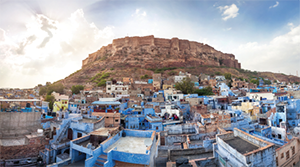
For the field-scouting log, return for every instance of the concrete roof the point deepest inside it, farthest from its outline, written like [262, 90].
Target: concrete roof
[241, 145]
[103, 131]
[130, 144]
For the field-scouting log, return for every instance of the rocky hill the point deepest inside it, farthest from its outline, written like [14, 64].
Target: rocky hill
[137, 56]
[150, 52]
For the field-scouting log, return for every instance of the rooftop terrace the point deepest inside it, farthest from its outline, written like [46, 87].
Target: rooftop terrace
[241, 145]
[86, 120]
[130, 144]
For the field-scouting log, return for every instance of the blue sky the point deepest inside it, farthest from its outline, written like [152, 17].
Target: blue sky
[44, 41]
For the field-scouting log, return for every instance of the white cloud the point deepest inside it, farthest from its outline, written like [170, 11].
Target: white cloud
[280, 54]
[49, 50]
[291, 25]
[274, 6]
[139, 13]
[227, 29]
[229, 11]
[144, 14]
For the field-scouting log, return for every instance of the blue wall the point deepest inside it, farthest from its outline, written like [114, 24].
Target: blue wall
[138, 133]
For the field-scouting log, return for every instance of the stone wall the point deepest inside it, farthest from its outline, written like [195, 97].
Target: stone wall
[124, 164]
[31, 149]
[293, 148]
[19, 122]
[169, 50]
[200, 152]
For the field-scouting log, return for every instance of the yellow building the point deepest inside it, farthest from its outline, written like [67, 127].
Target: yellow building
[167, 86]
[62, 104]
[249, 108]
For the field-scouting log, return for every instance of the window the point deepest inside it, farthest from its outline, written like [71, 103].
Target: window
[108, 88]
[276, 161]
[157, 128]
[273, 135]
[116, 120]
[282, 155]
[279, 136]
[293, 150]
[280, 109]
[287, 155]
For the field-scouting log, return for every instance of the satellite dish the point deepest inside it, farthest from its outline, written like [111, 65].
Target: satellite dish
[148, 142]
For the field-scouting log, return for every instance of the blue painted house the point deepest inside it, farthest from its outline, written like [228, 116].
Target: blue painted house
[125, 148]
[64, 130]
[143, 119]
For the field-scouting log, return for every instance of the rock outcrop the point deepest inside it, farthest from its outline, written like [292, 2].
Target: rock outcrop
[150, 52]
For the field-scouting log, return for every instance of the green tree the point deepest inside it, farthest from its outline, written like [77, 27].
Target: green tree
[76, 89]
[43, 90]
[145, 76]
[50, 91]
[102, 83]
[58, 88]
[221, 61]
[230, 84]
[227, 76]
[49, 88]
[172, 72]
[255, 81]
[204, 91]
[267, 82]
[50, 99]
[186, 86]
[218, 73]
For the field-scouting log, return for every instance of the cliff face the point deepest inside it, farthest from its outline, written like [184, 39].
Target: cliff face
[136, 56]
[150, 52]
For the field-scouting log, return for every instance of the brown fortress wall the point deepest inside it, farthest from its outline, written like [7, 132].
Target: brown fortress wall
[177, 48]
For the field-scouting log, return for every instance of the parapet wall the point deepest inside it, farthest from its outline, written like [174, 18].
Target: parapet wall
[19, 122]
[200, 152]
[250, 138]
[31, 149]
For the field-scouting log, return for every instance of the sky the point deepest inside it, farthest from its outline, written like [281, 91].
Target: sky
[45, 41]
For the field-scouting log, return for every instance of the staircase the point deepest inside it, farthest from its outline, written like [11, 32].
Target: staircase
[100, 160]
[58, 137]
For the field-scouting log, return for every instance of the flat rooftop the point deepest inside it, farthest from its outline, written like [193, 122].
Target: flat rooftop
[86, 120]
[241, 145]
[84, 143]
[130, 144]
[103, 131]
[258, 129]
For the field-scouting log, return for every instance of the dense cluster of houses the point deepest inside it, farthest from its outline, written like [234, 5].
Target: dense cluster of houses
[150, 123]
